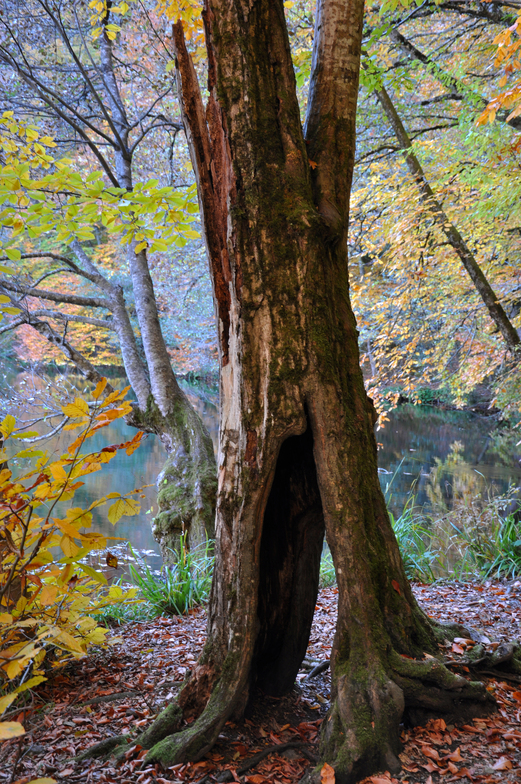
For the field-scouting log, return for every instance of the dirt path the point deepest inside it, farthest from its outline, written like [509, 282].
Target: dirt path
[119, 691]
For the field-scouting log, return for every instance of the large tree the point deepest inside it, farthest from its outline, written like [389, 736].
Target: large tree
[297, 451]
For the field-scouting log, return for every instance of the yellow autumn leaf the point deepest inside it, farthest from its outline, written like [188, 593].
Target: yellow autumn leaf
[100, 386]
[77, 409]
[8, 425]
[48, 595]
[123, 506]
[69, 546]
[6, 701]
[30, 684]
[5, 475]
[13, 669]
[77, 514]
[69, 642]
[6, 618]
[58, 472]
[45, 780]
[116, 395]
[10, 729]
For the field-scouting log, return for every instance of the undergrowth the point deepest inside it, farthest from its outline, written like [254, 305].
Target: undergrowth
[173, 590]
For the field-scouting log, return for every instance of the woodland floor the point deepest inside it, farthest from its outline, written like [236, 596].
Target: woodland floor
[120, 690]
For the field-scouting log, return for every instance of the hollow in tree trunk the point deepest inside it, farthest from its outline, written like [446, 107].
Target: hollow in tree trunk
[297, 453]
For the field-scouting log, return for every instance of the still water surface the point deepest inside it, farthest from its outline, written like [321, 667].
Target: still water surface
[413, 441]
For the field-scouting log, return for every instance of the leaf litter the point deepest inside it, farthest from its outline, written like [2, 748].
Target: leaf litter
[120, 691]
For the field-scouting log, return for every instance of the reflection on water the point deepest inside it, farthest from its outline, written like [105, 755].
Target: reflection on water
[414, 441]
[418, 439]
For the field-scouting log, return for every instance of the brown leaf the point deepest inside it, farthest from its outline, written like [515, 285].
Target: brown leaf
[111, 560]
[503, 763]
[455, 756]
[327, 774]
[256, 778]
[396, 586]
[452, 767]
[430, 767]
[457, 648]
[428, 751]
[517, 695]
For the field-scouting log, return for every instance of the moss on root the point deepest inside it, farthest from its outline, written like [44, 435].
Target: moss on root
[186, 496]
[187, 485]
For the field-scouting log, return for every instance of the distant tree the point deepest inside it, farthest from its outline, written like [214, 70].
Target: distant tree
[67, 72]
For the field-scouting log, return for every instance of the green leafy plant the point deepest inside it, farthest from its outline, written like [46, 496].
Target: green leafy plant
[327, 570]
[487, 547]
[179, 586]
[414, 540]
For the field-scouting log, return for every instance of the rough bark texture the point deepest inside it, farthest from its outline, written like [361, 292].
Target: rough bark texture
[297, 452]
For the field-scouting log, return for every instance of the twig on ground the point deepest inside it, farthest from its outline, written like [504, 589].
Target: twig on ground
[317, 670]
[277, 748]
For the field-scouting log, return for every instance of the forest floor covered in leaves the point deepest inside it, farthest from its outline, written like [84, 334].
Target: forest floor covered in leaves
[119, 691]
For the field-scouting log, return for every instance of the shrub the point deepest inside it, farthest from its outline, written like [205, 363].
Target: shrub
[47, 600]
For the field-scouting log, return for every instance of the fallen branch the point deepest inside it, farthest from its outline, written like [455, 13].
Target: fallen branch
[317, 670]
[277, 748]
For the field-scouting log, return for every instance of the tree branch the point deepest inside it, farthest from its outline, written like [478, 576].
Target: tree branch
[459, 89]
[57, 314]
[331, 112]
[455, 239]
[54, 296]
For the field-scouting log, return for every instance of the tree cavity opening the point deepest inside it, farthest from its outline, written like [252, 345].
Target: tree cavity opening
[289, 570]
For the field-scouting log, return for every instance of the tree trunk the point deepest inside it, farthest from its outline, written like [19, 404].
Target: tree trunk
[454, 238]
[297, 451]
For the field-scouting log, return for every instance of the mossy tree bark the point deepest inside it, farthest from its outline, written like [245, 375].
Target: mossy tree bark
[297, 451]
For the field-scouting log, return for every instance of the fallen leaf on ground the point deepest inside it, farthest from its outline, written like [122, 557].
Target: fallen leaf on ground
[327, 774]
[503, 763]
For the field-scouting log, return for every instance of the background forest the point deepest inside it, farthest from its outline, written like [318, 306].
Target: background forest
[104, 272]
[423, 323]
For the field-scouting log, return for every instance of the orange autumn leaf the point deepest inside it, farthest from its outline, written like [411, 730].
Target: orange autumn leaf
[455, 756]
[327, 774]
[428, 751]
[396, 586]
[503, 763]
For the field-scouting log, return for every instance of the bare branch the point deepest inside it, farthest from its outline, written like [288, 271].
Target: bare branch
[17, 322]
[57, 314]
[54, 296]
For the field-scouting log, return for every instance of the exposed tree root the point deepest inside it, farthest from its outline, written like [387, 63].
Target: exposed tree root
[105, 748]
[431, 690]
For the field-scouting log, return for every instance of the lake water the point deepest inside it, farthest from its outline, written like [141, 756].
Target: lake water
[413, 441]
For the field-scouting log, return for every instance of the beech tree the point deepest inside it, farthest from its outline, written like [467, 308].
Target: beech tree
[297, 454]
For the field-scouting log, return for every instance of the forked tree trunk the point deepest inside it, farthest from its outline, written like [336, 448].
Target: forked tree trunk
[297, 450]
